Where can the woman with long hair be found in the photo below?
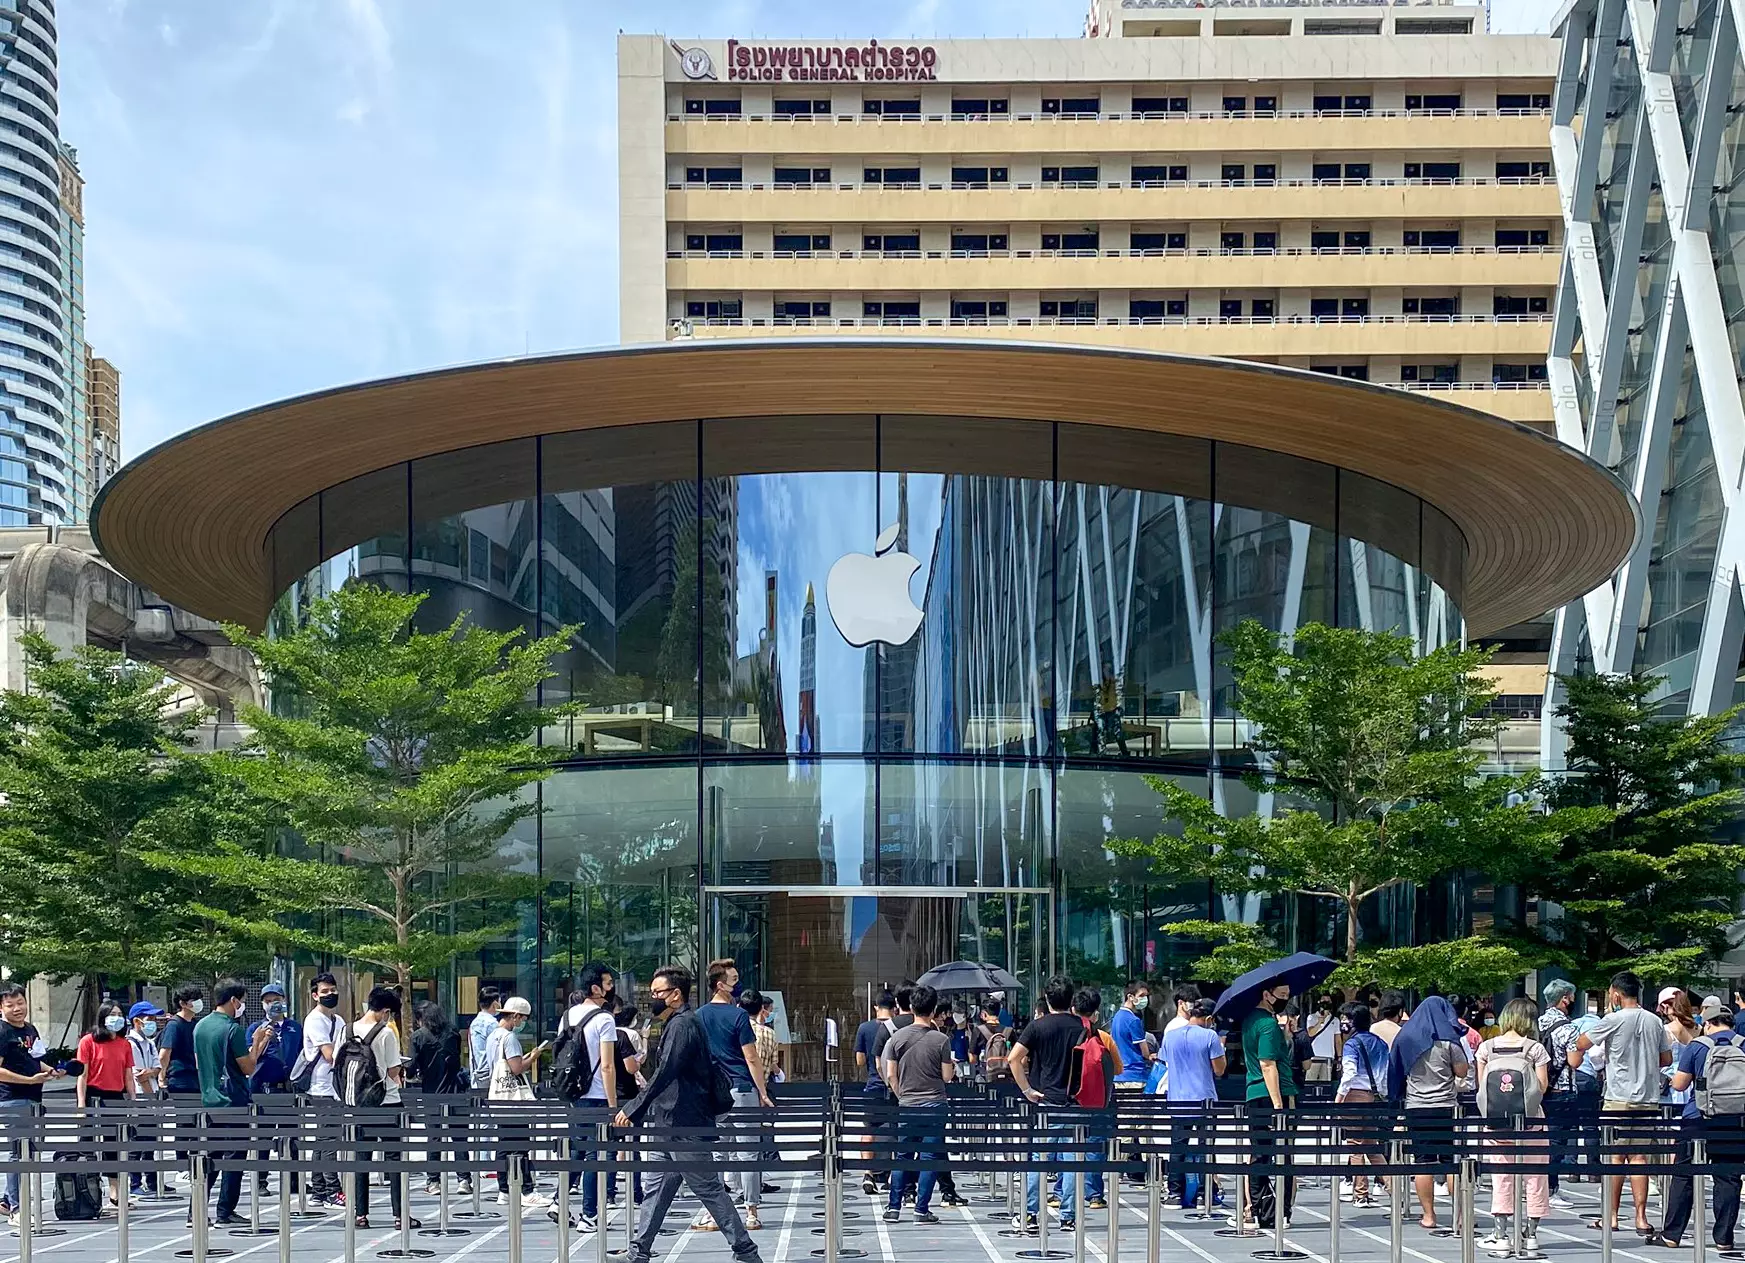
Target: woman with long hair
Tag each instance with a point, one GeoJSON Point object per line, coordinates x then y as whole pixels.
{"type": "Point", "coordinates": [1681, 1025]}
{"type": "Point", "coordinates": [107, 1059]}
{"type": "Point", "coordinates": [1524, 1077]}
{"type": "Point", "coordinates": [1363, 1080]}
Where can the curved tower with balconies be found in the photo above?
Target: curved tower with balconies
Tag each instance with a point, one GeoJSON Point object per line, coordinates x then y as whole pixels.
{"type": "Point", "coordinates": [35, 470]}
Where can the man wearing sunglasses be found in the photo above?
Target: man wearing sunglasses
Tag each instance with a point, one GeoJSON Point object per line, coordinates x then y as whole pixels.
{"type": "Point", "coordinates": [679, 1096]}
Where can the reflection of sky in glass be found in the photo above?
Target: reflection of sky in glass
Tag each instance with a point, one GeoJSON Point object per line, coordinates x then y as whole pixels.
{"type": "Point", "coordinates": [799, 525]}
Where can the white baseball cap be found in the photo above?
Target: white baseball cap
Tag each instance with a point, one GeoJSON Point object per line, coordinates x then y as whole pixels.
{"type": "Point", "coordinates": [517, 1004]}
{"type": "Point", "coordinates": [1669, 993]}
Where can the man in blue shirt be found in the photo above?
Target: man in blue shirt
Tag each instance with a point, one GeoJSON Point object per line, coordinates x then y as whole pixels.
{"type": "Point", "coordinates": [1691, 1071]}
{"type": "Point", "coordinates": [273, 1072]}
{"type": "Point", "coordinates": [1128, 1029]}
{"type": "Point", "coordinates": [1194, 1053]}
{"type": "Point", "coordinates": [733, 1047]}
{"type": "Point", "coordinates": [484, 1025]}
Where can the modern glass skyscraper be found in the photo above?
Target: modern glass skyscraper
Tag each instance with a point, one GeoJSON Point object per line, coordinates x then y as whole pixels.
{"type": "Point", "coordinates": [1648, 137]}
{"type": "Point", "coordinates": [36, 353]}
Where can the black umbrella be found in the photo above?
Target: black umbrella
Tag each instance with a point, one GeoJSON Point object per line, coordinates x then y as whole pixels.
{"type": "Point", "coordinates": [966, 975]}
{"type": "Point", "coordinates": [1302, 971]}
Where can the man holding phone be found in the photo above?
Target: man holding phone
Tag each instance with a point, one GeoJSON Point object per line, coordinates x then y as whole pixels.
{"type": "Point", "coordinates": [511, 1072]}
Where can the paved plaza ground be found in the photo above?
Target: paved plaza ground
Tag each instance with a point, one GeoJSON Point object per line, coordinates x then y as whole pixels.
{"type": "Point", "coordinates": [966, 1235]}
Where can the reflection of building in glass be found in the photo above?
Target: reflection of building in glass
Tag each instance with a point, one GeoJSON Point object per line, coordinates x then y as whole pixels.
{"type": "Point", "coordinates": [715, 800]}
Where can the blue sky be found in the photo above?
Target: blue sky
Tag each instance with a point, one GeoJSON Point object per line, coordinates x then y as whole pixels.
{"type": "Point", "coordinates": [283, 195]}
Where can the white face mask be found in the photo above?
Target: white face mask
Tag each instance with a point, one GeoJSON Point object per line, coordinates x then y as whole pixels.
{"type": "Point", "coordinates": [115, 1024]}
{"type": "Point", "coordinates": [39, 1049]}
{"type": "Point", "coordinates": [199, 1006]}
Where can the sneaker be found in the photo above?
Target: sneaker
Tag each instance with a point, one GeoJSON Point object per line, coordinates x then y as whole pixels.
{"type": "Point", "coordinates": [767, 1187]}
{"type": "Point", "coordinates": [1364, 1201]}
{"type": "Point", "coordinates": [1096, 1203]}
{"type": "Point", "coordinates": [1054, 1200]}
{"type": "Point", "coordinates": [869, 1186]}
{"type": "Point", "coordinates": [1560, 1202]}
{"type": "Point", "coordinates": [1067, 1225]}
{"type": "Point", "coordinates": [433, 1189]}
{"type": "Point", "coordinates": [1494, 1240]}
{"type": "Point", "coordinates": [1346, 1190]}
{"type": "Point", "coordinates": [739, 1199]}
{"type": "Point", "coordinates": [1530, 1246]}
{"type": "Point", "coordinates": [926, 1217]}
{"type": "Point", "coordinates": [502, 1198]}
{"type": "Point", "coordinates": [463, 1188]}
{"type": "Point", "coordinates": [1027, 1223]}
{"type": "Point", "coordinates": [703, 1224]}
{"type": "Point", "coordinates": [536, 1200]}
{"type": "Point", "coordinates": [952, 1199]}
{"type": "Point", "coordinates": [892, 1214]}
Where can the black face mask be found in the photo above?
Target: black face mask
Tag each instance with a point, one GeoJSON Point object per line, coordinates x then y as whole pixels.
{"type": "Point", "coordinates": [328, 1001]}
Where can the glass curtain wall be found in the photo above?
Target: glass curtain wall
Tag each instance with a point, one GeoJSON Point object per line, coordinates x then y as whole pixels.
{"type": "Point", "coordinates": [862, 694]}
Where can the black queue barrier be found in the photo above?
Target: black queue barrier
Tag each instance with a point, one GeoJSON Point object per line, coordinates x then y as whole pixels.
{"type": "Point", "coordinates": [837, 1133]}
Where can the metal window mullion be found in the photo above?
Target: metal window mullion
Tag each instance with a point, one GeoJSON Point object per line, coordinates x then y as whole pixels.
{"type": "Point", "coordinates": [1606, 369]}
{"type": "Point", "coordinates": [1717, 662]}
{"type": "Point", "coordinates": [1607, 23]}
{"type": "Point", "coordinates": [1649, 479]}
{"type": "Point", "coordinates": [1712, 115]}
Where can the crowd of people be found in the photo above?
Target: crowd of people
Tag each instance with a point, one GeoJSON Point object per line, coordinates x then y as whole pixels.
{"type": "Point", "coordinates": [717, 1053]}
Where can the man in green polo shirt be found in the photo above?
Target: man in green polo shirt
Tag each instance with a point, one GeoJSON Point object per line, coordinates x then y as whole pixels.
{"type": "Point", "coordinates": [225, 1058]}
{"type": "Point", "coordinates": [1266, 1051]}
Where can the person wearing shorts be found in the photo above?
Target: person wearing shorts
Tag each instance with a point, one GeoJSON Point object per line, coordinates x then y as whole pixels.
{"type": "Point", "coordinates": [1637, 1049]}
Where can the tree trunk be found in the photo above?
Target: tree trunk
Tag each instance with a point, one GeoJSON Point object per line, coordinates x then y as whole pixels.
{"type": "Point", "coordinates": [1351, 902]}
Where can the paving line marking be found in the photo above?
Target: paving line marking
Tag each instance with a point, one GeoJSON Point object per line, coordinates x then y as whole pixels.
{"type": "Point", "coordinates": [981, 1235]}
{"type": "Point", "coordinates": [679, 1244]}
{"type": "Point", "coordinates": [1165, 1228]}
{"type": "Point", "coordinates": [878, 1219]}
{"type": "Point", "coordinates": [473, 1245]}
{"type": "Point", "coordinates": [1299, 1208]}
{"type": "Point", "coordinates": [362, 1246]}
{"type": "Point", "coordinates": [107, 1229]}
{"type": "Point", "coordinates": [1594, 1242]}
{"type": "Point", "coordinates": [783, 1241]}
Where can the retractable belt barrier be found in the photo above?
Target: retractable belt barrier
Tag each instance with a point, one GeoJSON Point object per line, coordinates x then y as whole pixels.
{"type": "Point", "coordinates": [1192, 1152]}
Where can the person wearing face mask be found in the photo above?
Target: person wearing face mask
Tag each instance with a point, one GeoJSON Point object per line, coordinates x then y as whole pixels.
{"type": "Point", "coordinates": [144, 1019]}
{"type": "Point", "coordinates": [108, 1061]}
{"type": "Point", "coordinates": [225, 1057]}
{"type": "Point", "coordinates": [1128, 1029]}
{"type": "Point", "coordinates": [323, 1033]}
{"type": "Point", "coordinates": [272, 1075]}
{"type": "Point", "coordinates": [1266, 1051]}
{"type": "Point", "coordinates": [589, 1019]}
{"type": "Point", "coordinates": [181, 1076]}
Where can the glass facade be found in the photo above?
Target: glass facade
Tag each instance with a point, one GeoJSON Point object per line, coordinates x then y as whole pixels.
{"type": "Point", "coordinates": [863, 694]}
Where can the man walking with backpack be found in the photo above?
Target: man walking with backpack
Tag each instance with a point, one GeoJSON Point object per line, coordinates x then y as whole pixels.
{"type": "Point", "coordinates": [1042, 1066]}
{"type": "Point", "coordinates": [1714, 1064]}
{"type": "Point", "coordinates": [584, 1071]}
{"type": "Point", "coordinates": [686, 1091]}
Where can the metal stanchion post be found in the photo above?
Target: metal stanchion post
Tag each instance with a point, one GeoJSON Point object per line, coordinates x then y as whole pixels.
{"type": "Point", "coordinates": [350, 1214]}
{"type": "Point", "coordinates": [1518, 1207]}
{"type": "Point", "coordinates": [1468, 1209]}
{"type": "Point", "coordinates": [603, 1134]}
{"type": "Point", "coordinates": [514, 1170]}
{"type": "Point", "coordinates": [1333, 1205]}
{"type": "Point", "coordinates": [833, 1201]}
{"type": "Point", "coordinates": [1153, 1208]}
{"type": "Point", "coordinates": [1397, 1204]}
{"type": "Point", "coordinates": [1699, 1198]}
{"type": "Point", "coordinates": [26, 1203]}
{"type": "Point", "coordinates": [1112, 1181]}
{"type": "Point", "coordinates": [285, 1181]}
{"type": "Point", "coordinates": [563, 1198]}
{"type": "Point", "coordinates": [121, 1202]}
{"type": "Point", "coordinates": [405, 1249]}
{"type": "Point", "coordinates": [197, 1206]}
{"type": "Point", "coordinates": [1285, 1140]}
{"type": "Point", "coordinates": [1078, 1201]}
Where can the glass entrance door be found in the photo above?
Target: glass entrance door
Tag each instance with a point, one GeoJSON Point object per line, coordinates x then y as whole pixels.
{"type": "Point", "coordinates": [829, 953]}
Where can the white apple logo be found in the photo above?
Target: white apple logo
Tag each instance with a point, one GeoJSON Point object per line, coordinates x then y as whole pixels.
{"type": "Point", "coordinates": [869, 596]}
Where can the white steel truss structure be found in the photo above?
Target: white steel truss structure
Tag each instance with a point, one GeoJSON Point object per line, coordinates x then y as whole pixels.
{"type": "Point", "coordinates": [1648, 141]}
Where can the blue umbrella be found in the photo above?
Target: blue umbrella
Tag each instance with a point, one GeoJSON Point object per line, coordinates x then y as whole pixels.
{"type": "Point", "coordinates": [1302, 971]}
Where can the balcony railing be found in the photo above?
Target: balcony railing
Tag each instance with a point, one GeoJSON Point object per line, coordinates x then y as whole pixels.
{"type": "Point", "coordinates": [1198, 253]}
{"type": "Point", "coordinates": [1008, 186]}
{"type": "Point", "coordinates": [898, 120]}
{"type": "Point", "coordinates": [1024, 322]}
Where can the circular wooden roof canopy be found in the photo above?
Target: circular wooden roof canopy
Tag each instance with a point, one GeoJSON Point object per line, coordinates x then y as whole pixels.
{"type": "Point", "coordinates": [1543, 523]}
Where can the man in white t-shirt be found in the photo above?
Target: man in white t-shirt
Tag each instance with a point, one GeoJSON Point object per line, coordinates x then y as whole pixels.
{"type": "Point", "coordinates": [323, 1033]}
{"type": "Point", "coordinates": [376, 1028]}
{"type": "Point", "coordinates": [590, 1020]}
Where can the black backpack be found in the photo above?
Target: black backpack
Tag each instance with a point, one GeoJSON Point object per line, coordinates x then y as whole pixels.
{"type": "Point", "coordinates": [78, 1194]}
{"type": "Point", "coordinates": [572, 1072]}
{"type": "Point", "coordinates": [356, 1077]}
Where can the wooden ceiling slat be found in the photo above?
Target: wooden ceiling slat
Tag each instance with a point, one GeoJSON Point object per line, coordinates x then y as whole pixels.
{"type": "Point", "coordinates": [1543, 524]}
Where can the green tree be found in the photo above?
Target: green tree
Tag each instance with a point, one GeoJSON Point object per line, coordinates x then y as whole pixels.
{"type": "Point", "coordinates": [1377, 745]}
{"type": "Point", "coordinates": [99, 779]}
{"type": "Point", "coordinates": [408, 756]}
{"type": "Point", "coordinates": [1647, 876]}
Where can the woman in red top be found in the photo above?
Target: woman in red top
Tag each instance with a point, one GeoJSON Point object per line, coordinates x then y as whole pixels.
{"type": "Point", "coordinates": [108, 1061]}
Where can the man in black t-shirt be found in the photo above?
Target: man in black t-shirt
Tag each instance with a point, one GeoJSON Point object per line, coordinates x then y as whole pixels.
{"type": "Point", "coordinates": [1041, 1065]}
{"type": "Point", "coordinates": [869, 1046]}
{"type": "Point", "coordinates": [22, 1072]}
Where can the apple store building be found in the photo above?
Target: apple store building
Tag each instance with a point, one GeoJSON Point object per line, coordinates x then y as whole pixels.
{"type": "Point", "coordinates": [879, 644]}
